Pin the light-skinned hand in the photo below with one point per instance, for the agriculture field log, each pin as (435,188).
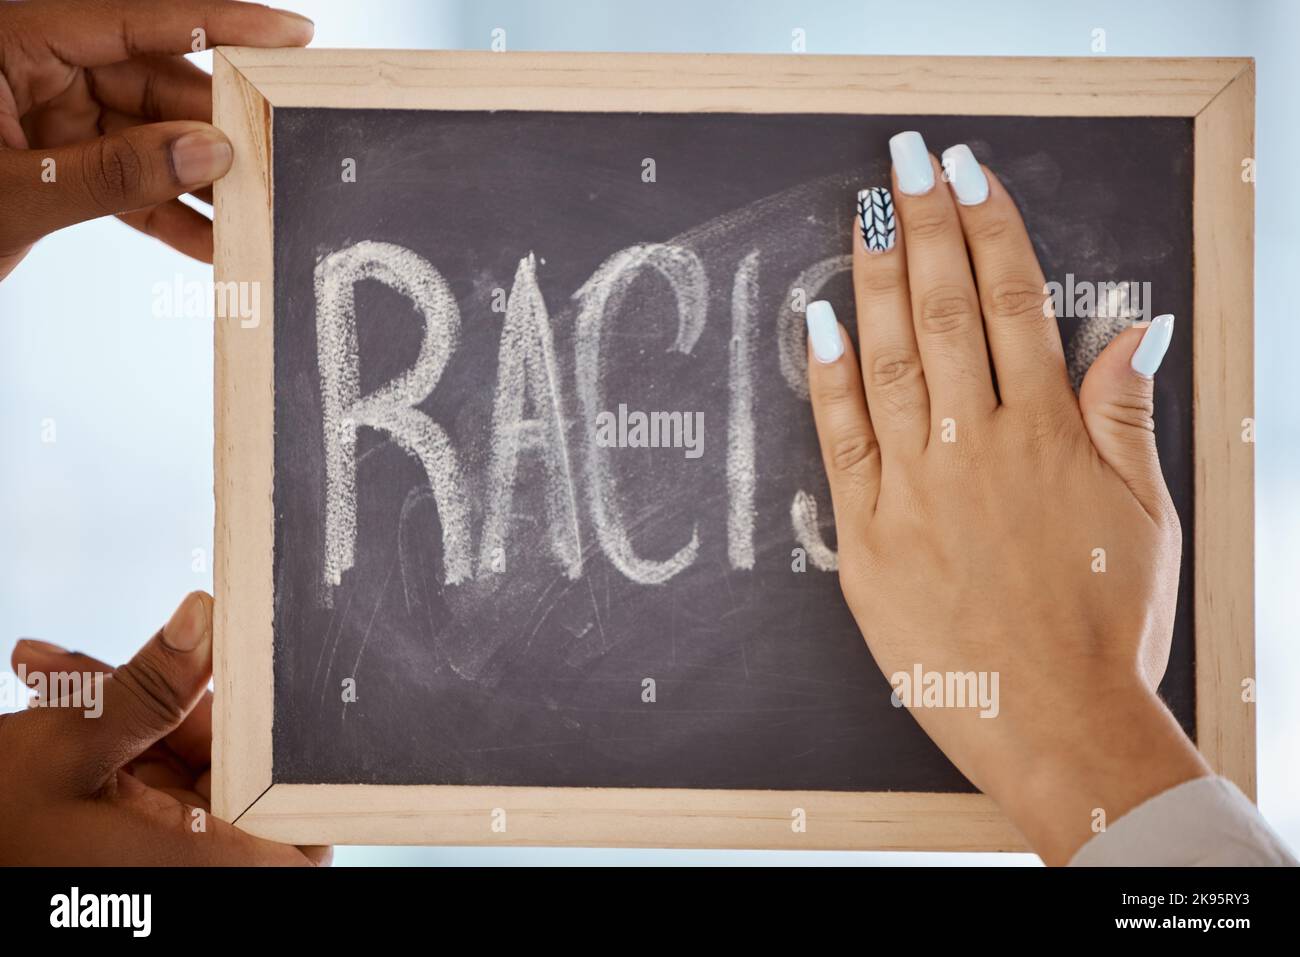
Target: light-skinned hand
(971,486)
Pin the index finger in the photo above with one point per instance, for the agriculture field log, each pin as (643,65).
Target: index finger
(106,31)
(154,88)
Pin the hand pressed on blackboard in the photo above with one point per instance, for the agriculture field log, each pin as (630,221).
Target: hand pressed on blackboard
(988,520)
(101,114)
(118,771)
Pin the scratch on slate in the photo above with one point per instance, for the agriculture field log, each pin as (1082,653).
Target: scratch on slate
(356,665)
(595,610)
(672,633)
(532,616)
(434,635)
(726,579)
(332,645)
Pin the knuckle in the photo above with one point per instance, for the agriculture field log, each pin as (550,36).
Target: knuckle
(838,391)
(147,681)
(880,280)
(892,367)
(1135,409)
(988,229)
(896,386)
(927,224)
(850,452)
(150,100)
(946,310)
(1017,299)
(114,170)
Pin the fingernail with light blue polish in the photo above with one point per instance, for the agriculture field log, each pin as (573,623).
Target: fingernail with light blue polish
(824,331)
(963,172)
(1151,350)
(911,163)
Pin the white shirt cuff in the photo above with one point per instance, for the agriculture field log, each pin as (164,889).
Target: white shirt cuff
(1202,822)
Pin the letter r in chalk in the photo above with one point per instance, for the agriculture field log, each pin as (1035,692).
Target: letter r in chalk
(392,408)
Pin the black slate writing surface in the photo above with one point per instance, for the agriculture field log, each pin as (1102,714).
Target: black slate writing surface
(521,674)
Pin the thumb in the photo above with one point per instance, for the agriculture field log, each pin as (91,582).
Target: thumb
(149,696)
(1117,402)
(139,166)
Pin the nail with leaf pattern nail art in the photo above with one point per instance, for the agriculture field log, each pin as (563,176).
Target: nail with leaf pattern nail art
(876,219)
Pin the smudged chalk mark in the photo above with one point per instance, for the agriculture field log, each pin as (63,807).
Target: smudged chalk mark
(803,516)
(791,333)
(1095,333)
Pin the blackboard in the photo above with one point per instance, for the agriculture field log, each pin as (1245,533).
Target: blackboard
(521,674)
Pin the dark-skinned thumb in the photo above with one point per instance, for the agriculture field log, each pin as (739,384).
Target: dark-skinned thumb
(47,189)
(148,697)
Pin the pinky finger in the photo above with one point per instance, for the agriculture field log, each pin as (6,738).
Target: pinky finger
(179,226)
(848,442)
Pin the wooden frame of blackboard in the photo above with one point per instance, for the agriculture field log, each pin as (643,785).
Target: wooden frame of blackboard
(1218,94)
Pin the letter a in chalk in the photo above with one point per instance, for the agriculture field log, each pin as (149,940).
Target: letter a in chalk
(391,408)
(526,371)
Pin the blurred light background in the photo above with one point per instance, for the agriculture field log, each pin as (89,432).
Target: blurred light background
(104,529)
